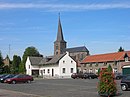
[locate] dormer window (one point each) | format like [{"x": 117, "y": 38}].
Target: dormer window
[{"x": 126, "y": 59}]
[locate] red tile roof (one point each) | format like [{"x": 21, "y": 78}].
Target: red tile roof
[{"x": 105, "y": 57}]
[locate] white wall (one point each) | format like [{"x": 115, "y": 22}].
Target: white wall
[
  {"x": 67, "y": 62},
  {"x": 27, "y": 65}
]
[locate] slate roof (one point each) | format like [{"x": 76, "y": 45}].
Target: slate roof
[
  {"x": 60, "y": 37},
  {"x": 77, "y": 49},
  {"x": 35, "y": 60},
  {"x": 43, "y": 61},
  {"x": 55, "y": 59},
  {"x": 106, "y": 57}
]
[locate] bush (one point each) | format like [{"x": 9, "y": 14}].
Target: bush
[{"x": 106, "y": 85}]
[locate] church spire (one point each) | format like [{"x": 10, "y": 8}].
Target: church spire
[
  {"x": 60, "y": 43},
  {"x": 60, "y": 33}
]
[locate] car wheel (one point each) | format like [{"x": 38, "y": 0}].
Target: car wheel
[
  {"x": 117, "y": 78},
  {"x": 13, "y": 82},
  {"x": 28, "y": 81},
  {"x": 124, "y": 87}
]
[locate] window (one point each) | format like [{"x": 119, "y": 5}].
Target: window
[
  {"x": 71, "y": 61},
  {"x": 63, "y": 61},
  {"x": 63, "y": 70},
  {"x": 29, "y": 66},
  {"x": 90, "y": 65},
  {"x": 105, "y": 63},
  {"x": 48, "y": 70},
  {"x": 43, "y": 70},
  {"x": 96, "y": 65},
  {"x": 71, "y": 70},
  {"x": 126, "y": 59}
]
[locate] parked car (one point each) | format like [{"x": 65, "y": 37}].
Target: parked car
[
  {"x": 125, "y": 82},
  {"x": 6, "y": 77},
  {"x": 84, "y": 75},
  {"x": 77, "y": 75},
  {"x": 92, "y": 75},
  {"x": 118, "y": 76},
  {"x": 19, "y": 78},
  {"x": 2, "y": 75}
]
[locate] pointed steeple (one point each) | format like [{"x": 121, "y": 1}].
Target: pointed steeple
[
  {"x": 60, "y": 33},
  {"x": 60, "y": 43}
]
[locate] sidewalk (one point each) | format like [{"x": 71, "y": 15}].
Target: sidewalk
[{"x": 9, "y": 93}]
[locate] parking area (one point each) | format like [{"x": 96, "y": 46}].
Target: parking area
[{"x": 56, "y": 88}]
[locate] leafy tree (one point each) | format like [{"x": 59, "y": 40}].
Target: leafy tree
[
  {"x": 15, "y": 64},
  {"x": 6, "y": 69},
  {"x": 109, "y": 68},
  {"x": 29, "y": 51},
  {"x": 120, "y": 49},
  {"x": 1, "y": 63},
  {"x": 1, "y": 60},
  {"x": 21, "y": 67}
]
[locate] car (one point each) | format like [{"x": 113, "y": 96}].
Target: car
[
  {"x": 2, "y": 75},
  {"x": 92, "y": 75},
  {"x": 84, "y": 75},
  {"x": 125, "y": 82},
  {"x": 118, "y": 76},
  {"x": 19, "y": 78},
  {"x": 6, "y": 77},
  {"x": 77, "y": 75}
]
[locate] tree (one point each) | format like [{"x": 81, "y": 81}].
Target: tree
[
  {"x": 120, "y": 49},
  {"x": 1, "y": 63},
  {"x": 109, "y": 68},
  {"x": 1, "y": 60},
  {"x": 29, "y": 51},
  {"x": 107, "y": 85},
  {"x": 15, "y": 64}
]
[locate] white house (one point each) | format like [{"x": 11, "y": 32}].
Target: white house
[{"x": 60, "y": 66}]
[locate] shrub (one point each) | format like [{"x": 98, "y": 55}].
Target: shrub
[{"x": 106, "y": 85}]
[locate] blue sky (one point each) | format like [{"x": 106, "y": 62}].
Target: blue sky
[{"x": 101, "y": 25}]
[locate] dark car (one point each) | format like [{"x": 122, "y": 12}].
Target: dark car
[
  {"x": 118, "y": 76},
  {"x": 19, "y": 78},
  {"x": 78, "y": 75},
  {"x": 125, "y": 82},
  {"x": 6, "y": 77},
  {"x": 2, "y": 75},
  {"x": 92, "y": 75}
]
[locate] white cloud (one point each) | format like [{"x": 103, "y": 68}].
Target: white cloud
[{"x": 63, "y": 7}]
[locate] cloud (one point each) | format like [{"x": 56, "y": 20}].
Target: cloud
[{"x": 64, "y": 7}]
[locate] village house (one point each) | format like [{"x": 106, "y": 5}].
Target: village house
[
  {"x": 60, "y": 66},
  {"x": 117, "y": 60}
]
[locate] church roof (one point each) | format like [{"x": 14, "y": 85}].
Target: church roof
[
  {"x": 60, "y": 33},
  {"x": 77, "y": 49}
]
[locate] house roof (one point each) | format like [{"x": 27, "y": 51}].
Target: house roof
[
  {"x": 55, "y": 59},
  {"x": 77, "y": 49},
  {"x": 35, "y": 60},
  {"x": 43, "y": 61},
  {"x": 117, "y": 56}
]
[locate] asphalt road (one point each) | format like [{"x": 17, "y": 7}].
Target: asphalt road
[{"x": 56, "y": 88}]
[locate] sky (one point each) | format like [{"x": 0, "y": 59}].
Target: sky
[{"x": 100, "y": 25}]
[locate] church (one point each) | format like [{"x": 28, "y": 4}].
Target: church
[{"x": 62, "y": 64}]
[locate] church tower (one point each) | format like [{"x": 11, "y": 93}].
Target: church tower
[{"x": 60, "y": 43}]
